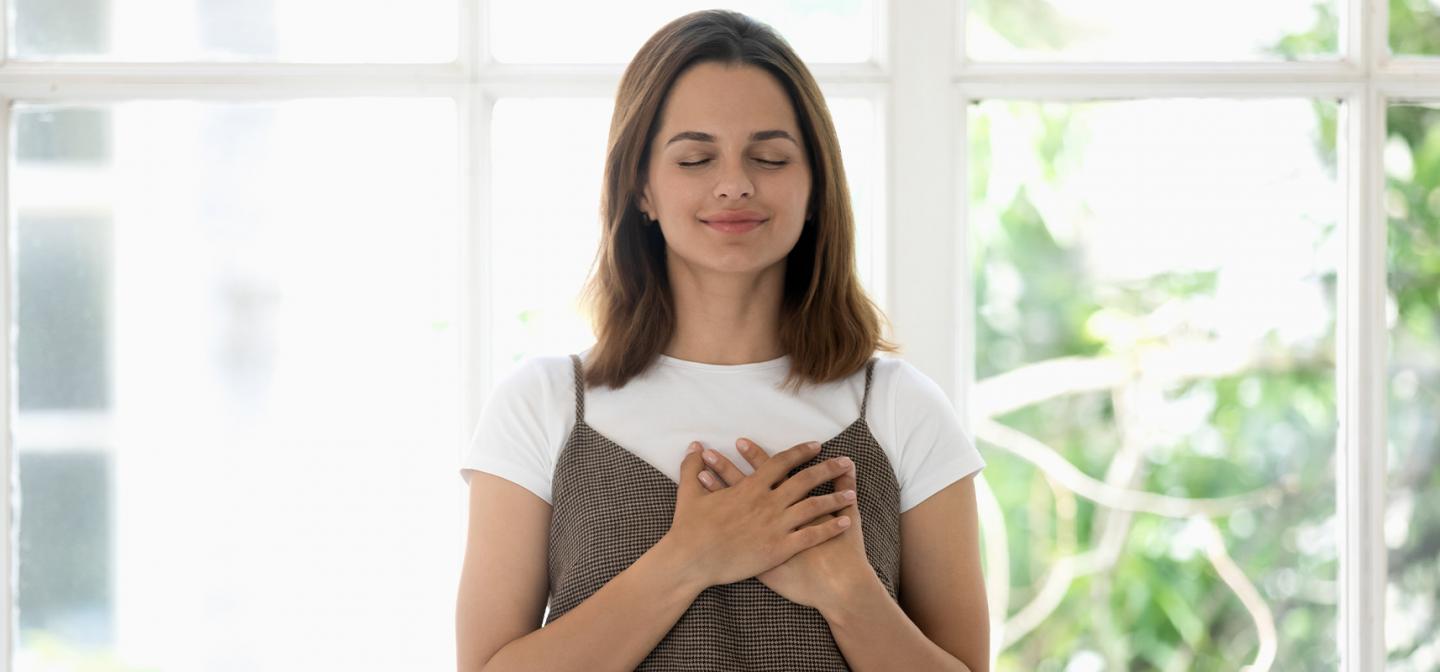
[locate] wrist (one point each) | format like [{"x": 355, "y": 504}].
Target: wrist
[
  {"x": 851, "y": 596},
  {"x": 679, "y": 566}
]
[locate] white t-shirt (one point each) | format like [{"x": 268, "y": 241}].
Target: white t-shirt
[{"x": 656, "y": 415}]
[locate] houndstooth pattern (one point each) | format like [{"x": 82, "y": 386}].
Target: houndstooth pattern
[{"x": 610, "y": 506}]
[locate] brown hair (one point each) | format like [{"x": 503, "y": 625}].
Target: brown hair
[{"x": 828, "y": 325}]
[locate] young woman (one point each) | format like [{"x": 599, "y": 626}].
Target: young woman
[{"x": 729, "y": 317}]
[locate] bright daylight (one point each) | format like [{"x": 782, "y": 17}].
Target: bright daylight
[{"x": 1170, "y": 270}]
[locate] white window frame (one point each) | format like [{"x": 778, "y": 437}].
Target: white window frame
[{"x": 922, "y": 85}]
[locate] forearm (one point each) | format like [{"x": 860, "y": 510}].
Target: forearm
[
  {"x": 613, "y": 629},
  {"x": 874, "y": 633}
]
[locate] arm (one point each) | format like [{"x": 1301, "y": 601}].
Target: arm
[
  {"x": 615, "y": 628},
  {"x": 874, "y": 633},
  {"x": 942, "y": 619}
]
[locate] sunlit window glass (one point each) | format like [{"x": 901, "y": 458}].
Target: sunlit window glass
[
  {"x": 1155, "y": 348},
  {"x": 237, "y": 355},
  {"x": 1412, "y": 510}
]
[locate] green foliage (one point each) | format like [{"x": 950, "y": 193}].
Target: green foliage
[
  {"x": 1162, "y": 605},
  {"x": 1413, "y": 264},
  {"x": 44, "y": 651},
  {"x": 1413, "y": 259},
  {"x": 1414, "y": 27},
  {"x": 1322, "y": 38},
  {"x": 1032, "y": 24}
]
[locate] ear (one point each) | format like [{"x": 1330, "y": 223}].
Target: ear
[{"x": 642, "y": 199}]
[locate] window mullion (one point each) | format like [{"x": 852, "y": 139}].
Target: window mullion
[
  {"x": 472, "y": 41},
  {"x": 8, "y": 461},
  {"x": 1361, "y": 387},
  {"x": 925, "y": 271}
]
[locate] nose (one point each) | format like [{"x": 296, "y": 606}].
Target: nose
[{"x": 734, "y": 182}]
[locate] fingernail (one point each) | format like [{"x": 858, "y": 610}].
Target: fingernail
[
  {"x": 710, "y": 456},
  {"x": 814, "y": 445},
  {"x": 843, "y": 461},
  {"x": 742, "y": 445},
  {"x": 694, "y": 446},
  {"x": 848, "y": 495}
]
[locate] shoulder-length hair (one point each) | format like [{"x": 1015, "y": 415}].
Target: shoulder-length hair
[{"x": 828, "y": 325}]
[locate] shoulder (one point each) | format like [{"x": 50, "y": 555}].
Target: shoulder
[
  {"x": 902, "y": 383},
  {"x": 907, "y": 404},
  {"x": 934, "y": 449},
  {"x": 539, "y": 381},
  {"x": 916, "y": 408}
]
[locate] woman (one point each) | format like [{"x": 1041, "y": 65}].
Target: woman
[{"x": 727, "y": 308}]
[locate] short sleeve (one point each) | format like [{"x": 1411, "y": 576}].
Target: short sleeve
[
  {"x": 512, "y": 439},
  {"x": 935, "y": 450}
]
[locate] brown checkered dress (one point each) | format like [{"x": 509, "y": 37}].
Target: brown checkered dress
[{"x": 610, "y": 506}]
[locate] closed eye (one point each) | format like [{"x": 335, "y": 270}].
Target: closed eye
[{"x": 696, "y": 163}]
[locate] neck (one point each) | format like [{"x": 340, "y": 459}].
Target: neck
[{"x": 726, "y": 318}]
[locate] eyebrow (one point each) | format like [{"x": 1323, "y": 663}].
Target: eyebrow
[{"x": 757, "y": 136}]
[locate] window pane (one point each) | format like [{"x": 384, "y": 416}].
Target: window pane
[
  {"x": 1150, "y": 30},
  {"x": 1412, "y": 513},
  {"x": 545, "y": 245},
  {"x": 237, "y": 352},
  {"x": 1415, "y": 31},
  {"x": 1155, "y": 308},
  {"x": 596, "y": 32},
  {"x": 317, "y": 31}
]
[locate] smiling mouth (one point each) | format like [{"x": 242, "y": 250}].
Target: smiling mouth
[{"x": 737, "y": 226}]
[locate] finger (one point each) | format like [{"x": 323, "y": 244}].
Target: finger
[
  {"x": 690, "y": 469},
  {"x": 818, "y": 520},
  {"x": 815, "y": 535},
  {"x": 752, "y": 452},
  {"x": 846, "y": 481},
  {"x": 778, "y": 467},
  {"x": 722, "y": 465},
  {"x": 710, "y": 480}
]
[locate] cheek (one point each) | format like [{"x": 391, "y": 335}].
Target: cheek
[
  {"x": 799, "y": 185},
  {"x": 676, "y": 193}
]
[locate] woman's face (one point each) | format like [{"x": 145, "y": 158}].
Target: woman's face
[{"x": 729, "y": 143}]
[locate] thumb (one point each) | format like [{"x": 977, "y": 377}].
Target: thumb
[{"x": 690, "y": 469}]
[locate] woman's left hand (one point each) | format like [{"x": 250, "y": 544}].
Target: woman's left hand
[{"x": 818, "y": 575}]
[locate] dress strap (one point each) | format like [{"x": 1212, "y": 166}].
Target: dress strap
[
  {"x": 869, "y": 373},
  {"x": 579, "y": 389}
]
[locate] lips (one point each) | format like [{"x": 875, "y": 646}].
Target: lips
[
  {"x": 735, "y": 227},
  {"x": 734, "y": 217}
]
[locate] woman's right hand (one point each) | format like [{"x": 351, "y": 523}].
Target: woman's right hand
[{"x": 743, "y": 530}]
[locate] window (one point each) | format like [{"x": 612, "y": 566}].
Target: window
[{"x": 1176, "y": 263}]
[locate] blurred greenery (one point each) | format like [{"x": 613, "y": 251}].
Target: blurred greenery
[
  {"x": 1414, "y": 25},
  {"x": 1157, "y": 600},
  {"x": 49, "y": 653},
  {"x": 1413, "y": 205},
  {"x": 1160, "y": 603},
  {"x": 1157, "y": 603}
]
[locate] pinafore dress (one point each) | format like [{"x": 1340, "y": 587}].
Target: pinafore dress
[{"x": 610, "y": 506}]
